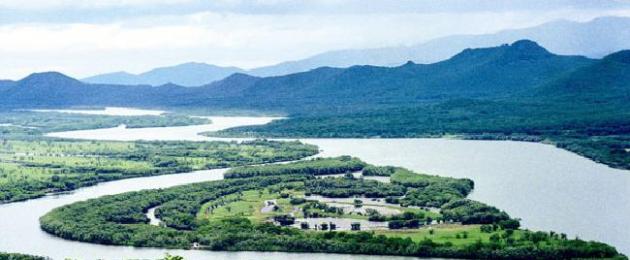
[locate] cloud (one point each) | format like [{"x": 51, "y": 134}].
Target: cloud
[
  {"x": 272, "y": 32},
  {"x": 106, "y": 11}
]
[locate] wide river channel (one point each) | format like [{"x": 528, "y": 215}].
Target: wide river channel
[{"x": 548, "y": 188}]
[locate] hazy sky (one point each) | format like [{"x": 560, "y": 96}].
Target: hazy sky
[{"x": 86, "y": 37}]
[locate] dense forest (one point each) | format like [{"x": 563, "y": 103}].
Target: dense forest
[
  {"x": 121, "y": 220},
  {"x": 598, "y": 131}
]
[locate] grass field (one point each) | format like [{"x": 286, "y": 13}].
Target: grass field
[
  {"x": 32, "y": 168},
  {"x": 453, "y": 233},
  {"x": 249, "y": 205}
]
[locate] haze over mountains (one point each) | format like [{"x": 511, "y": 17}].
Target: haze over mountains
[
  {"x": 593, "y": 39},
  {"x": 187, "y": 74},
  {"x": 520, "y": 71}
]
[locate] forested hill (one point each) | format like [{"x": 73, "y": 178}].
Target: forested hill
[
  {"x": 585, "y": 109},
  {"x": 605, "y": 81},
  {"x": 486, "y": 73}
]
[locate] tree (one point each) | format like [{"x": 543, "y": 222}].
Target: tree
[{"x": 172, "y": 257}]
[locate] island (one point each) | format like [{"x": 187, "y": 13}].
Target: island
[{"x": 332, "y": 205}]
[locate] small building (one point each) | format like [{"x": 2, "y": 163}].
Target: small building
[
  {"x": 304, "y": 225},
  {"x": 324, "y": 226},
  {"x": 355, "y": 226}
]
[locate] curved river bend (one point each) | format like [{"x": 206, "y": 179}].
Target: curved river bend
[{"x": 549, "y": 188}]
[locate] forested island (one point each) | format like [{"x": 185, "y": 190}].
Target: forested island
[{"x": 268, "y": 208}]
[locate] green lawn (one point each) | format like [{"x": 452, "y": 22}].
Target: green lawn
[
  {"x": 248, "y": 205},
  {"x": 441, "y": 234}
]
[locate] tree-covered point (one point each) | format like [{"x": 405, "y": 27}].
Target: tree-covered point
[
  {"x": 15, "y": 256},
  {"x": 316, "y": 166},
  {"x": 37, "y": 123},
  {"x": 30, "y": 169},
  {"x": 473, "y": 212},
  {"x": 597, "y": 130},
  {"x": 429, "y": 190},
  {"x": 121, "y": 220}
]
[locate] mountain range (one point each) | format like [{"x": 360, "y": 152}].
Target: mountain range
[
  {"x": 594, "y": 39},
  {"x": 516, "y": 91},
  {"x": 188, "y": 74},
  {"x": 519, "y": 71}
]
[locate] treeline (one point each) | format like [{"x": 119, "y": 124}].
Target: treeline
[
  {"x": 372, "y": 170},
  {"x": 428, "y": 190},
  {"x": 15, "y": 256},
  {"x": 472, "y": 212},
  {"x": 46, "y": 122},
  {"x": 407, "y": 219},
  {"x": 348, "y": 186},
  {"x": 597, "y": 130},
  {"x": 317, "y": 166}
]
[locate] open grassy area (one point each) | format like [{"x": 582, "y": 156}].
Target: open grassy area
[
  {"x": 248, "y": 204},
  {"x": 30, "y": 169},
  {"x": 456, "y": 234}
]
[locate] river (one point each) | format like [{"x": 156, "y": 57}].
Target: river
[{"x": 548, "y": 188}]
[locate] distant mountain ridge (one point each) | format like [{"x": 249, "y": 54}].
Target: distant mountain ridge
[
  {"x": 190, "y": 74},
  {"x": 594, "y": 39},
  {"x": 506, "y": 71},
  {"x": 518, "y": 91}
]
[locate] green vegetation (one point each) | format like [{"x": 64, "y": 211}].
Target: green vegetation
[
  {"x": 598, "y": 131},
  {"x": 247, "y": 204},
  {"x": 26, "y": 124},
  {"x": 318, "y": 166},
  {"x": 517, "y": 92},
  {"x": 30, "y": 169},
  {"x": 430, "y": 191},
  {"x": 14, "y": 256},
  {"x": 473, "y": 212},
  {"x": 348, "y": 186},
  {"x": 227, "y": 215},
  {"x": 371, "y": 170}
]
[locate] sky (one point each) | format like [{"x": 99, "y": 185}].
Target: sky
[{"x": 87, "y": 37}]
